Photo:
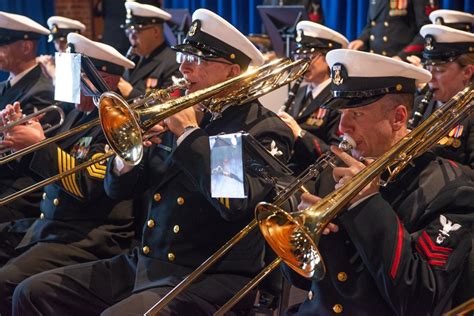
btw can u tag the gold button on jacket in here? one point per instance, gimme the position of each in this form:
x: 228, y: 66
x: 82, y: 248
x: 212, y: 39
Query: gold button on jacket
x: 180, y: 200
x: 150, y: 223
x: 146, y: 250
x: 157, y: 197
x: 171, y: 256
x: 56, y: 202
x: 337, y: 308
x: 342, y: 276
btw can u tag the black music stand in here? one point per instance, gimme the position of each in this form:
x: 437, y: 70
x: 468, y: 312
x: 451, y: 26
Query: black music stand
x: 175, y: 29
x: 280, y: 24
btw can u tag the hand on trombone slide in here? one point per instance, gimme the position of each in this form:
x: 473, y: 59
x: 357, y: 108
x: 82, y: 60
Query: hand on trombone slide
x: 22, y: 135
x: 343, y: 175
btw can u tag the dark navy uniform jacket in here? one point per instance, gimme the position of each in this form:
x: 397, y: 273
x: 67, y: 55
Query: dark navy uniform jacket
x: 76, y: 210
x: 393, y: 32
x: 34, y: 90
x: 320, y: 128
x: 185, y: 225
x: 399, y: 252
x: 458, y: 145
x: 153, y: 72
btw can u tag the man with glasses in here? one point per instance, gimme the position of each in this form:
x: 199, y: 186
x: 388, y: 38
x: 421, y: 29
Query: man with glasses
x: 185, y: 224
x: 314, y: 128
x: 156, y: 61
x: 449, y: 56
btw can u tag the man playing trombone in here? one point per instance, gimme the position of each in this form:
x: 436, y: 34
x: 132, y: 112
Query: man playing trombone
x: 78, y: 222
x: 185, y: 224
x: 395, y: 249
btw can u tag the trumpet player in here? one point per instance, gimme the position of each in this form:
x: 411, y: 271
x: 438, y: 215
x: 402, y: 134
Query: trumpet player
x: 397, y: 249
x: 78, y: 222
x: 27, y: 84
x: 449, y: 56
x: 314, y: 128
x: 184, y: 225
x: 157, y: 62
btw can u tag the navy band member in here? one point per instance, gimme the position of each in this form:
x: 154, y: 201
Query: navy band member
x: 393, y: 27
x: 449, y: 56
x: 314, y: 127
x: 399, y: 249
x: 19, y: 37
x: 59, y: 28
x: 462, y: 21
x: 78, y: 222
x: 185, y: 224
x: 157, y: 62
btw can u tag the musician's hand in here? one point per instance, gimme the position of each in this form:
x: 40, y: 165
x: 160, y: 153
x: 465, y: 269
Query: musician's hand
x: 180, y: 120
x: 124, y: 87
x: 11, y: 113
x: 344, y: 175
x: 48, y: 65
x: 21, y: 136
x: 292, y: 124
x: 356, y: 44
x: 307, y: 200
x: 153, y: 134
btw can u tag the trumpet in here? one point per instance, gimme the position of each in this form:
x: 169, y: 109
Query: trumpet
x: 312, y: 171
x: 295, y: 238
x: 47, y: 127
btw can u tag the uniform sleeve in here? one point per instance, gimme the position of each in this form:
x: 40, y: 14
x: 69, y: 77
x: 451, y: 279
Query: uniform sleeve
x: 193, y: 156
x: 84, y: 184
x: 421, y: 18
x: 415, y: 273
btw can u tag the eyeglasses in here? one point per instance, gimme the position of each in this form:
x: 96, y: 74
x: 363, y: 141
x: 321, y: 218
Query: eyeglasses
x: 136, y: 29
x: 197, y: 60
x: 311, y: 56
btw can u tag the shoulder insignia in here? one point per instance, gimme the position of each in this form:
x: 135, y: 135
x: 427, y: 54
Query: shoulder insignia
x: 97, y: 170
x: 274, y: 151
x: 67, y: 162
x: 434, y: 255
x: 225, y: 202
x: 447, y: 227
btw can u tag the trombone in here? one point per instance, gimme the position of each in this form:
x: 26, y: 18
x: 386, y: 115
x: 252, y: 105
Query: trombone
x: 34, y: 115
x: 123, y: 124
x: 295, y: 238
x: 312, y: 171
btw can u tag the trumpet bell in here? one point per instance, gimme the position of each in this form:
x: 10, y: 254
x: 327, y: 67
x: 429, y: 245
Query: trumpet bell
x: 121, y: 128
x: 291, y: 241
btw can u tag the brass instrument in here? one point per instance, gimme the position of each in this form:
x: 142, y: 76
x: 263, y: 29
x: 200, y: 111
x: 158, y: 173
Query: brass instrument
x: 295, y: 238
x: 312, y: 171
x: 123, y: 127
x: 142, y: 101
x: 420, y: 109
x: 34, y: 115
x: 157, y: 95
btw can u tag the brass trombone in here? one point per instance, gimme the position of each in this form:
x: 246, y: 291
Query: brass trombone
x: 295, y: 238
x: 142, y: 101
x: 312, y: 171
x: 124, y: 126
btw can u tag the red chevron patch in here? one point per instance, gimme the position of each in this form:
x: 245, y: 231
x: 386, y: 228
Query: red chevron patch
x: 435, y: 255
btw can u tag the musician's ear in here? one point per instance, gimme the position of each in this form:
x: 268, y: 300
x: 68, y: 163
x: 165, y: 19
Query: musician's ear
x: 400, y: 117
x: 468, y: 74
x: 234, y: 71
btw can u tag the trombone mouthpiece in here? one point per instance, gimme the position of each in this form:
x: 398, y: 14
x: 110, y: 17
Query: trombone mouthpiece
x: 347, y: 143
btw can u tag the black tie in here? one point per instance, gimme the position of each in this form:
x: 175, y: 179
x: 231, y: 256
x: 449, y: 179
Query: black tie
x: 6, y: 87
x: 306, y: 102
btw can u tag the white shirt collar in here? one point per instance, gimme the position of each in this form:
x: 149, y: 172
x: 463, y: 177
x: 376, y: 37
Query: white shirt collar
x: 14, y: 79
x: 316, y: 89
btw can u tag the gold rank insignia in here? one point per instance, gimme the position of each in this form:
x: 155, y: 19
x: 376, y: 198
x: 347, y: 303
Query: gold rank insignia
x: 65, y: 163
x: 193, y: 28
x: 299, y: 37
x: 225, y: 202
x: 81, y: 147
x: 98, y: 169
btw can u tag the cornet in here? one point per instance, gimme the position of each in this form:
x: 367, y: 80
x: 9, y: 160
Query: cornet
x: 47, y: 127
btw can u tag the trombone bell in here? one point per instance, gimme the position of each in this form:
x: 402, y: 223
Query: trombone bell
x: 121, y: 128
x: 290, y: 240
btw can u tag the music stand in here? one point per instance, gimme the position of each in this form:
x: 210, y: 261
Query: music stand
x: 280, y: 24
x: 175, y: 29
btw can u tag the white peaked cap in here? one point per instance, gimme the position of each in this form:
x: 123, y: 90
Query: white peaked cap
x: 146, y: 10
x: 319, y: 31
x: 22, y: 23
x: 65, y: 23
x: 98, y: 50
